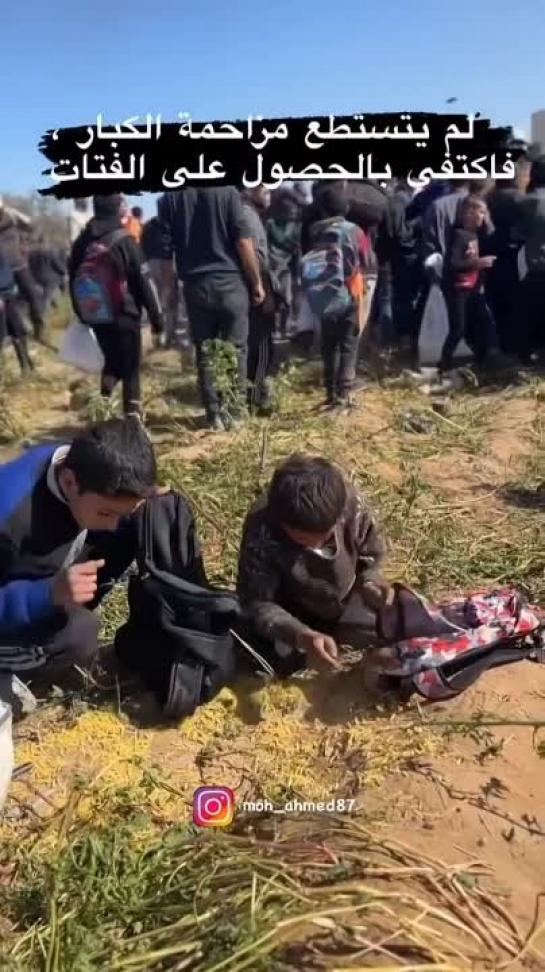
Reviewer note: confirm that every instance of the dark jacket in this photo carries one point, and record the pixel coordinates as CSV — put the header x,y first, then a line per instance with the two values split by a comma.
x,y
461,270
505,205
12,225
531,230
398,240
280,582
131,266
45,265
152,242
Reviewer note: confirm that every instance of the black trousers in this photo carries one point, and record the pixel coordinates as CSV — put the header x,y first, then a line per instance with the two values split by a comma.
x,y
260,355
503,296
340,340
218,309
532,315
30,294
66,640
470,318
13,326
406,286
121,345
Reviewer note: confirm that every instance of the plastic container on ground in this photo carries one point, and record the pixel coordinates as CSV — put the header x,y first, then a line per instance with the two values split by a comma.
x,y
6,751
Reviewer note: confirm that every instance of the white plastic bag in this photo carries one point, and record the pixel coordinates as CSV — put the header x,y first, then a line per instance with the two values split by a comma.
x,y
305,321
6,751
80,348
434,330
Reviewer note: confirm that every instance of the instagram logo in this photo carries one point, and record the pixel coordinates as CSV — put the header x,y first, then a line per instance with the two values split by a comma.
x,y
213,806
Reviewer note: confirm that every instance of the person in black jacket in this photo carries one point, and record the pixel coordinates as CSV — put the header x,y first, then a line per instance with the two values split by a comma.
x,y
506,204
161,267
11,322
121,341
205,230
398,246
47,271
14,230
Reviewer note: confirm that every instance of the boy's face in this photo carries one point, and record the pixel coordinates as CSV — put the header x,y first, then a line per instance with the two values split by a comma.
x,y
306,539
474,217
91,511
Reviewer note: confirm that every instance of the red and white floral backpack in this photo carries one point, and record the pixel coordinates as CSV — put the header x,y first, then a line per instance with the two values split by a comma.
x,y
440,650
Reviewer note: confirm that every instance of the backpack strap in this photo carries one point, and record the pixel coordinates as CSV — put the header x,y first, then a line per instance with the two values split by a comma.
x,y
114,236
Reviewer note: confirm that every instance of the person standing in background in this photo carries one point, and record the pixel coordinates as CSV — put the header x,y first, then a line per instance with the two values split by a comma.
x,y
47,270
530,233
11,322
398,247
108,276
134,223
15,229
205,230
163,275
502,283
284,247
468,312
255,203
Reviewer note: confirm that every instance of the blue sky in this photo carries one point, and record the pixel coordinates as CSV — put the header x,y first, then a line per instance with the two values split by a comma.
x,y
62,62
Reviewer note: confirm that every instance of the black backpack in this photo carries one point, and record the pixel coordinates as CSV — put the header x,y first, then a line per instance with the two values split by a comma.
x,y
178,634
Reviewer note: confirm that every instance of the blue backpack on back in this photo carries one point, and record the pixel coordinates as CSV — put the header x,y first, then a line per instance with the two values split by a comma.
x,y
328,265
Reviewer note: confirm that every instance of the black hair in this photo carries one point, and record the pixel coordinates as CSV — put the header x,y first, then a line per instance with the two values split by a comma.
x,y
333,201
106,207
137,212
470,201
537,174
307,493
113,458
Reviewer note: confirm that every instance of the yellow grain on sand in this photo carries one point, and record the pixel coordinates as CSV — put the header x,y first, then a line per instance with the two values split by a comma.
x,y
103,755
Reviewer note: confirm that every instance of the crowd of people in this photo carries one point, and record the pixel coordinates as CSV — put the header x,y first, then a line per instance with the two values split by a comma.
x,y
32,271
347,267
252,269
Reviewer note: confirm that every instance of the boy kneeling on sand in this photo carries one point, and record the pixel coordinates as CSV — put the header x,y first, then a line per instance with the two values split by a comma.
x,y
66,534
309,566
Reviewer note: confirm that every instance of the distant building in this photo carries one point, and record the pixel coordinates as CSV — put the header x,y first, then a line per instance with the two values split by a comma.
x,y
538,129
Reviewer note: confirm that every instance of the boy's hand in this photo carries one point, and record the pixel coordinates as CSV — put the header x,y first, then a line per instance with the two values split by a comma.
x,y
486,262
77,584
319,648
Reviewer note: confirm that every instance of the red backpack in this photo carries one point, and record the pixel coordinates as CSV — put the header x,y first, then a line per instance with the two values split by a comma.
x,y
440,650
98,290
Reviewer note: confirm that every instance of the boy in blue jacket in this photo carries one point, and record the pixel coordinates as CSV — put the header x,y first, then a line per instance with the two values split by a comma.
x,y
66,534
